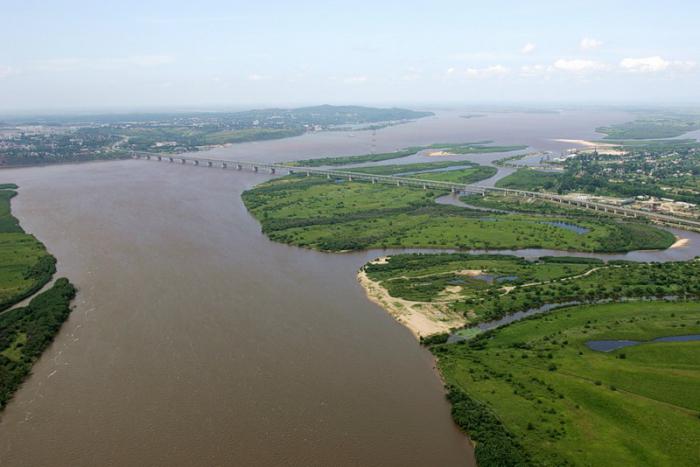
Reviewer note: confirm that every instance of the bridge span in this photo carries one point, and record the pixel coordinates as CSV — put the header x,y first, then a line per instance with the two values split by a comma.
x,y
277,168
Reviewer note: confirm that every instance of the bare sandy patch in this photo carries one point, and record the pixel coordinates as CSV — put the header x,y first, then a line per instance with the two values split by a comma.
x,y
601,148
439,154
421,318
681,242
469,272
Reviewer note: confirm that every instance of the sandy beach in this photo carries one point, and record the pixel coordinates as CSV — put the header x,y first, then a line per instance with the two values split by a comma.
x,y
602,148
421,318
439,154
680,243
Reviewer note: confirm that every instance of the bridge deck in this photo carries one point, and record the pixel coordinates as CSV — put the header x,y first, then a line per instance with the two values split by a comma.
x,y
408,181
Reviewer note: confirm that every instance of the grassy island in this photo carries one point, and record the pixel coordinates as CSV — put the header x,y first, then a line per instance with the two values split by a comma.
x,y
476,147
25,268
337,215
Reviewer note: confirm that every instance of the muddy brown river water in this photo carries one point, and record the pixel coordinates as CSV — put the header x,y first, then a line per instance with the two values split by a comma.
x,y
196,341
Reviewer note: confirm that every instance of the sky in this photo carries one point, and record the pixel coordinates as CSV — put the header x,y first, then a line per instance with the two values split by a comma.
x,y
137,55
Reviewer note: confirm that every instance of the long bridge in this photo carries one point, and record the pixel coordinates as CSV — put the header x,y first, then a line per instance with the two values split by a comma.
x,y
396,180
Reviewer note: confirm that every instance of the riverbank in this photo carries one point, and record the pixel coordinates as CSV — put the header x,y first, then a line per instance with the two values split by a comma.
x,y
27,330
422,319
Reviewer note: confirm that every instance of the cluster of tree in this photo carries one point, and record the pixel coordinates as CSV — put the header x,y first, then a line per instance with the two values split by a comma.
x,y
25,332
495,445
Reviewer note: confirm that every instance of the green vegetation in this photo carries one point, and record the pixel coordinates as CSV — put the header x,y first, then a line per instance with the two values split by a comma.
x,y
315,213
396,169
531,180
654,170
534,393
104,137
345,160
25,267
188,138
466,176
498,201
26,331
652,127
477,147
492,286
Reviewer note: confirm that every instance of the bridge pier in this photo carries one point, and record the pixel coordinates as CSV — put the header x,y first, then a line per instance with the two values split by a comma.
x,y
196,162
240,167
255,168
224,165
374,180
160,158
209,163
453,190
272,170
425,187
182,161
171,159
328,176
308,174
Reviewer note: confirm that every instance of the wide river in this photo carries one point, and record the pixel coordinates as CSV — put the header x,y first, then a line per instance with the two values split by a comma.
x,y
196,341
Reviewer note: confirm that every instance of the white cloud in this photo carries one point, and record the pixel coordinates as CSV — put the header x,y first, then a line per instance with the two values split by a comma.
x,y
655,64
588,43
528,48
645,64
578,65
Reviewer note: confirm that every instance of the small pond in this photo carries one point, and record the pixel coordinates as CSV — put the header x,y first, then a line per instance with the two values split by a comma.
x,y
610,345
568,226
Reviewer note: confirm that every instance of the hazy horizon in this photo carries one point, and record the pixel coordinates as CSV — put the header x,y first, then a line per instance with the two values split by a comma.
x,y
234,55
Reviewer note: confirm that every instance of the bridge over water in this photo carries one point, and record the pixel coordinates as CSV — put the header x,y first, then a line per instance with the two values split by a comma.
x,y
395,180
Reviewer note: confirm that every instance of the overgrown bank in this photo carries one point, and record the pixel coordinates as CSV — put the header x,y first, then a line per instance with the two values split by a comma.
x,y
25,268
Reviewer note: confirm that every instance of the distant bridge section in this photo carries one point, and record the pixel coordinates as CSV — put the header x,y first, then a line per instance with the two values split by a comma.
x,y
395,180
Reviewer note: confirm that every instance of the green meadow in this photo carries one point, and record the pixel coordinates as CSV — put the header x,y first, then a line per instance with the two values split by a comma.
x,y
533,393
25,265
337,215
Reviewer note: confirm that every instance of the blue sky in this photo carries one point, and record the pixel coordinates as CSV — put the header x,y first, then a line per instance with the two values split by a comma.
x,y
147,54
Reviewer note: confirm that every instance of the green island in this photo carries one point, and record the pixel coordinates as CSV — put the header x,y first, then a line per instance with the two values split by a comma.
x,y
652,127
25,268
338,215
476,147
532,392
